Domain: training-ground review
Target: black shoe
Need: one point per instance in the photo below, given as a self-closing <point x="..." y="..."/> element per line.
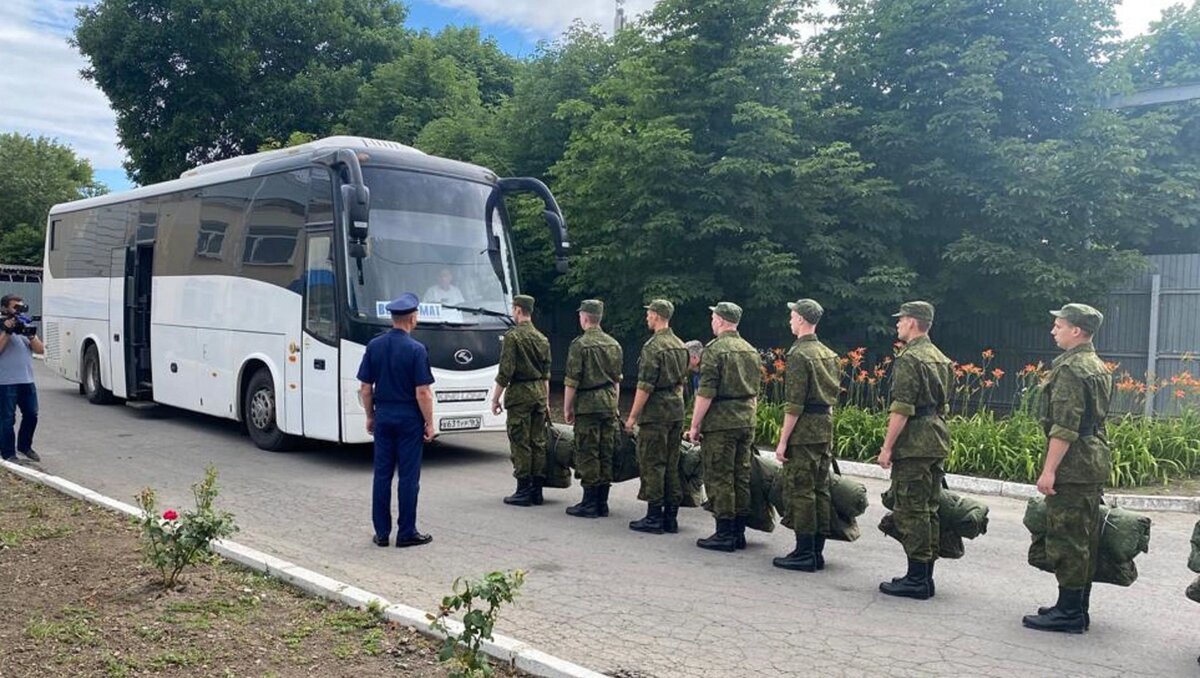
<point x="917" y="584"/>
<point x="652" y="523"/>
<point x="819" y="552"/>
<point x="589" y="507"/>
<point x="1087" y="604"/>
<point x="417" y="539"/>
<point x="535" y="494"/>
<point x="1067" y="616"/>
<point x="803" y="558"/>
<point x="739" y="529"/>
<point x="378" y="540"/>
<point x="671" y="519"/>
<point x="724" y="539"/>
<point x="524" y="494"/>
<point x="30" y="454"/>
<point x="602" y="500"/>
<point x="12" y="459"/>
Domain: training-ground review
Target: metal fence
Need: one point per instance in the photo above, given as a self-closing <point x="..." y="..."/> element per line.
<point x="1151" y="328"/>
<point x="25" y="281"/>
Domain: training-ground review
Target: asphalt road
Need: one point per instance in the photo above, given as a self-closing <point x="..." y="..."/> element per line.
<point x="618" y="601"/>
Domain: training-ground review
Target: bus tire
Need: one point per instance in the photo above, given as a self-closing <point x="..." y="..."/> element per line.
<point x="90" y="383"/>
<point x="259" y="413"/>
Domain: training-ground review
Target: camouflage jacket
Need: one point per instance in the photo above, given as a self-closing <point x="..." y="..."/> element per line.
<point x="922" y="377"/>
<point x="814" y="379"/>
<point x="1074" y="404"/>
<point x="730" y="372"/>
<point x="662" y="371"/>
<point x="594" y="370"/>
<point x="524" y="365"/>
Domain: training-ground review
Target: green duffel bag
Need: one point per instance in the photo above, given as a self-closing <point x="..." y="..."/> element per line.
<point x="763" y="472"/>
<point x="691" y="475"/>
<point x="560" y="446"/>
<point x="625" y="461"/>
<point x="950" y="545"/>
<point x="1194" y="558"/>
<point x="966" y="516"/>
<point x="842" y="529"/>
<point x="1123" y="533"/>
<point x="848" y="497"/>
<point x="1193" y="591"/>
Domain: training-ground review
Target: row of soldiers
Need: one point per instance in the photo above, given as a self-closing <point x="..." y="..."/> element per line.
<point x="1074" y="404"/>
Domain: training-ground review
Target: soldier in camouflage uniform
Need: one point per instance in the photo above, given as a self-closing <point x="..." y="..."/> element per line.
<point x="695" y="352"/>
<point x="523" y="381"/>
<point x="658" y="410"/>
<point x="916" y="443"/>
<point x="1074" y="404"/>
<point x="724" y="415"/>
<point x="592" y="380"/>
<point x="812" y="384"/>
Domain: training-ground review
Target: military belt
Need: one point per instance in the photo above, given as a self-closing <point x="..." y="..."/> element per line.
<point x="745" y="397"/>
<point x="817" y="408"/>
<point x="525" y="381"/>
<point x="672" y="387"/>
<point x="927" y="411"/>
<point x="1090" y="428"/>
<point x="594" y="388"/>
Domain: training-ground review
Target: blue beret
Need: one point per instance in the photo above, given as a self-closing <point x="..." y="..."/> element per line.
<point x="405" y="303"/>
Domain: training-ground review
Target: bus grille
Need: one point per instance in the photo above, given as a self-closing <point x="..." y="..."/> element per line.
<point x="53" y="345"/>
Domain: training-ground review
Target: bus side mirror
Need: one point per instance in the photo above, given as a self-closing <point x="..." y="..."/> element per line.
<point x="357" y="200"/>
<point x="558" y="235"/>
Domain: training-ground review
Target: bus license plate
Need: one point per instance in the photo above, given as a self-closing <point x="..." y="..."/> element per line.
<point x="461" y="423"/>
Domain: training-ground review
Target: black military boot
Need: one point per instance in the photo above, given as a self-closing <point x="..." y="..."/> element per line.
<point x="588" y="508"/>
<point x="524" y="494"/>
<point x="1087" y="604"/>
<point x="1066" y="616"/>
<point x="724" y="539"/>
<point x="535" y="494"/>
<point x="602" y="500"/>
<point x="916" y="584"/>
<point x="819" y="550"/>
<point x="670" y="519"/>
<point x="803" y="559"/>
<point x="739" y="527"/>
<point x="652" y="523"/>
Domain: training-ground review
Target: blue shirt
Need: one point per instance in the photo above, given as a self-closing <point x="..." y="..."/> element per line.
<point x="16" y="361"/>
<point x="396" y="364"/>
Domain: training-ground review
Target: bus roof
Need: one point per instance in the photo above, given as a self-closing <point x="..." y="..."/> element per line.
<point x="372" y="152"/>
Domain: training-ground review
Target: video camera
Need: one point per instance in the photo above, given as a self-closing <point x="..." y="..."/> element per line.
<point x="22" y="323"/>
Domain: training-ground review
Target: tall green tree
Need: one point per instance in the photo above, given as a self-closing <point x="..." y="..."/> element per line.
<point x="36" y="174"/>
<point x="985" y="115"/>
<point x="194" y="81"/>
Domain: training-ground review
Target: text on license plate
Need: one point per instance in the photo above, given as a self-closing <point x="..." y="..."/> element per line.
<point x="460" y="423"/>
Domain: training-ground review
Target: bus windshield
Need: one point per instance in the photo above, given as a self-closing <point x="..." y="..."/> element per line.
<point x="429" y="235"/>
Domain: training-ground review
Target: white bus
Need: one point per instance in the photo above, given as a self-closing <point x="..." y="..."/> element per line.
<point x="248" y="288"/>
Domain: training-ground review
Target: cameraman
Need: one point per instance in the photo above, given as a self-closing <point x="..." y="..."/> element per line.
<point x="18" y="343"/>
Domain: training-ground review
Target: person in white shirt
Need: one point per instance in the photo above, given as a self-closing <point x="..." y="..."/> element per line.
<point x="444" y="292"/>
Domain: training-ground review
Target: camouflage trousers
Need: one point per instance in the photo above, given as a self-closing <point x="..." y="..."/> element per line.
<point x="917" y="484"/>
<point x="527" y="440"/>
<point x="806" y="478"/>
<point x="1073" y="533"/>
<point x="658" y="461"/>
<point x="725" y="456"/>
<point x="595" y="440"/>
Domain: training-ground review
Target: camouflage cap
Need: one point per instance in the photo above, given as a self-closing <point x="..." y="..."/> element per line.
<point x="1082" y="316"/>
<point x="662" y="307"/>
<point x="592" y="306"/>
<point x="728" y="310"/>
<point x="524" y="301"/>
<point x="808" y="309"/>
<point x="921" y="310"/>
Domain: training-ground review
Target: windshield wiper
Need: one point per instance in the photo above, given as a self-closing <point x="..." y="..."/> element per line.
<point x="484" y="311"/>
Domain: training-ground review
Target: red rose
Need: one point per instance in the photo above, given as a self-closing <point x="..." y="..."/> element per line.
<point x="170" y="514"/>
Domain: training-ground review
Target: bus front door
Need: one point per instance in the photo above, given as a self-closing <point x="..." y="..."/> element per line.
<point x="319" y="346"/>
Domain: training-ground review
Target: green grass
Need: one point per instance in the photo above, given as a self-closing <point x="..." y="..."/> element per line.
<point x="74" y="627"/>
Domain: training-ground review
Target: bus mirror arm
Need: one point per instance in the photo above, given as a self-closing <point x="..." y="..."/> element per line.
<point x="552" y="213"/>
<point x="356" y="197"/>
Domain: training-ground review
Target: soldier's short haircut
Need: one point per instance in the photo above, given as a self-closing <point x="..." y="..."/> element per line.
<point x="923" y="325"/>
<point x="695" y="348"/>
<point x="593" y="318"/>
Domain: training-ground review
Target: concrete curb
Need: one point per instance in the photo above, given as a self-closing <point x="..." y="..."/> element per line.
<point x="510" y="651"/>
<point x="987" y="486"/>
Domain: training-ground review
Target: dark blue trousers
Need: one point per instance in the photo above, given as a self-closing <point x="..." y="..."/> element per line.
<point x="13" y="396"/>
<point x="398" y="448"/>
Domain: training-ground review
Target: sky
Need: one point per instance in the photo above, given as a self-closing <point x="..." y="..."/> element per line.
<point x="42" y="93"/>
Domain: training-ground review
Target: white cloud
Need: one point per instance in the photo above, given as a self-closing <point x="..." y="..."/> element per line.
<point x="41" y="91"/>
<point x="1135" y="15"/>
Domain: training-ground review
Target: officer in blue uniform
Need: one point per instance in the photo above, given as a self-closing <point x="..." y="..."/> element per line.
<point x="397" y="397"/>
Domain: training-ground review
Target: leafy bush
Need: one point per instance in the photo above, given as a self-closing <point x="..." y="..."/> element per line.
<point x="463" y="651"/>
<point x="171" y="542"/>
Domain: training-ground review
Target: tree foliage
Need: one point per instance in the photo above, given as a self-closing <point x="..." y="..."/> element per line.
<point x="36" y="174"/>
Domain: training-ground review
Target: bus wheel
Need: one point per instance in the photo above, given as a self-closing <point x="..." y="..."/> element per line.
<point x="92" y="387"/>
<point x="258" y="412"/>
